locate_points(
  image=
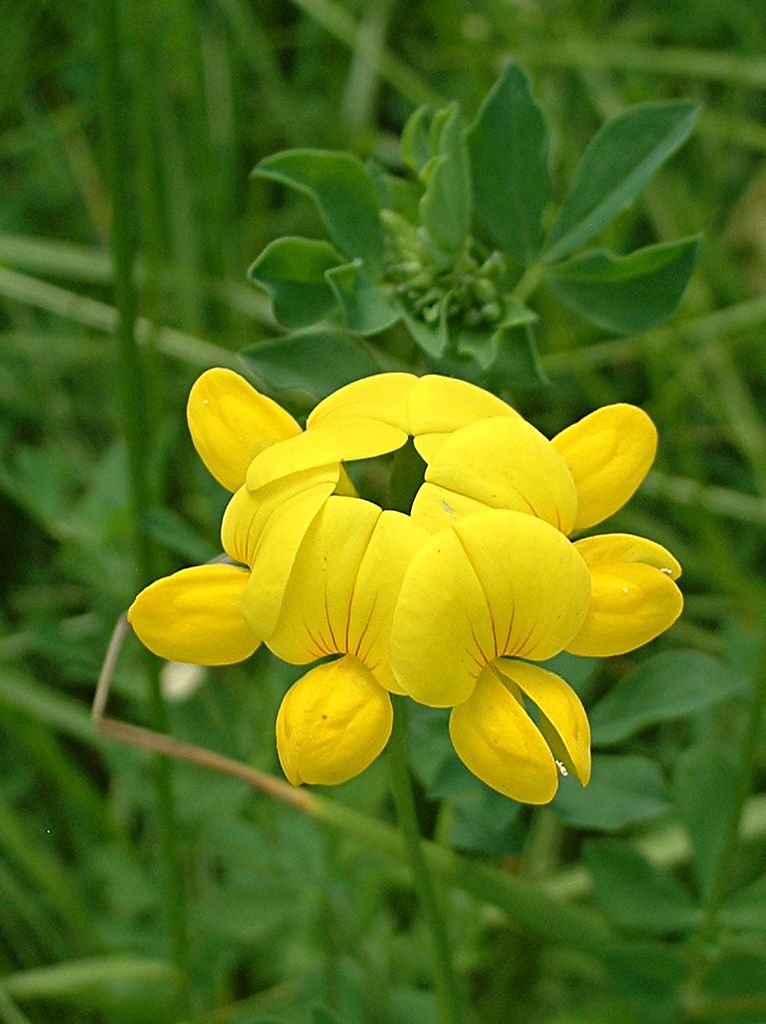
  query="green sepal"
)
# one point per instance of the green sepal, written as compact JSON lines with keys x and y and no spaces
{"x":292,"y":272}
{"x":624,"y":790}
{"x":396,"y":194}
{"x":636,"y":894}
{"x":310,"y":364}
{"x":626,"y":294}
{"x":445,"y":207}
{"x":367,"y":308}
{"x":431,"y":338}
{"x":343,"y":192}
{"x":415,"y":142}
{"x":667,"y":686}
{"x":621,"y":158}
{"x":484,"y":346}
{"x":508,"y":149}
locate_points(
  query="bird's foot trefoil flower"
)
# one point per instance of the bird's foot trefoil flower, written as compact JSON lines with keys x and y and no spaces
{"x":454,"y":604}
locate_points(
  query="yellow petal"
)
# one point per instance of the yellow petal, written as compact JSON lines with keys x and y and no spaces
{"x":441,"y":405}
{"x":195,"y":616}
{"x":334,"y":440}
{"x":332,"y":724}
{"x":230,"y":423}
{"x":625,"y":547}
{"x":608,"y":453}
{"x":498,"y":583}
{"x":383,"y":396}
{"x":247,"y":514}
{"x":435,"y":508}
{"x":394,"y":541}
{"x":496,"y":739}
{"x":564,"y":723}
{"x":315,"y":614}
{"x":630,"y":605}
{"x":504,"y":462}
{"x":275,"y":557}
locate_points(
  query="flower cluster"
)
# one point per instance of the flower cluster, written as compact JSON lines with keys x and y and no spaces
{"x":454,"y":604}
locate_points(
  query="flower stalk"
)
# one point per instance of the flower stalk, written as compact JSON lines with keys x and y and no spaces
{"x":445,"y":981}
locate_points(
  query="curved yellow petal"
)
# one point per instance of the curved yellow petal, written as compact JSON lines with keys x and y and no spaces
{"x":496,"y":739}
{"x":315,"y":613}
{"x":332,"y":723}
{"x":441,"y":625}
{"x":394,"y":541}
{"x":625,"y":547}
{"x":247,"y":514}
{"x":498,"y":583}
{"x":275,"y":557}
{"x":563,"y":723}
{"x":383,"y":396}
{"x":630,"y":605}
{"x":441,"y":405}
{"x":334,"y":440}
{"x":195,"y":616}
{"x":230,"y":423}
{"x":504,"y":462}
{"x":608,"y":453}
{"x":435,"y":507}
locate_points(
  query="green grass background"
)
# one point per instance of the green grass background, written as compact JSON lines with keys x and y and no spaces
{"x":266,"y":913}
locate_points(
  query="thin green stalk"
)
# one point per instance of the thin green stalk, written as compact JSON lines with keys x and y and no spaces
{"x":445,"y":982}
{"x":748,"y":756}
{"x":9,"y":1011}
{"x":130,"y":366}
{"x":529,"y":281}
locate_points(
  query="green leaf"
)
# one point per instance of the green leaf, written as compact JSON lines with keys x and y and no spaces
{"x":621,"y":158}
{"x":746,"y":909}
{"x":341,"y":188}
{"x":739,"y":979}
{"x":445,"y":207}
{"x":669,"y":685}
{"x":649,"y":977}
{"x":367,"y":308}
{"x":508,"y":150}
{"x":623,"y":790}
{"x":626,"y":294}
{"x":705,"y":783}
{"x":485,"y":821}
{"x":292,"y":271}
{"x":634,"y":893}
{"x":415,"y":142}
{"x":517,"y":363}
{"x":436,"y":765}
{"x":311,"y":363}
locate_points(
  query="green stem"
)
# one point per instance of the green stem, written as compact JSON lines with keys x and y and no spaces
{"x":445,"y":981}
{"x":529,"y":282}
{"x":132,"y":392}
{"x":749,"y":750}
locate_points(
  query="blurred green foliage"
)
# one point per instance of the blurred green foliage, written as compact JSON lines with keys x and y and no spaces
{"x":288,"y":921}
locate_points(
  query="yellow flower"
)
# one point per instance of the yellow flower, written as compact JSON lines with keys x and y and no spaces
{"x":493,"y":588}
{"x":573,"y":482}
{"x":339,"y":600}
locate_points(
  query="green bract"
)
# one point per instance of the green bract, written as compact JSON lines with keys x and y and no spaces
{"x":447,"y":248}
